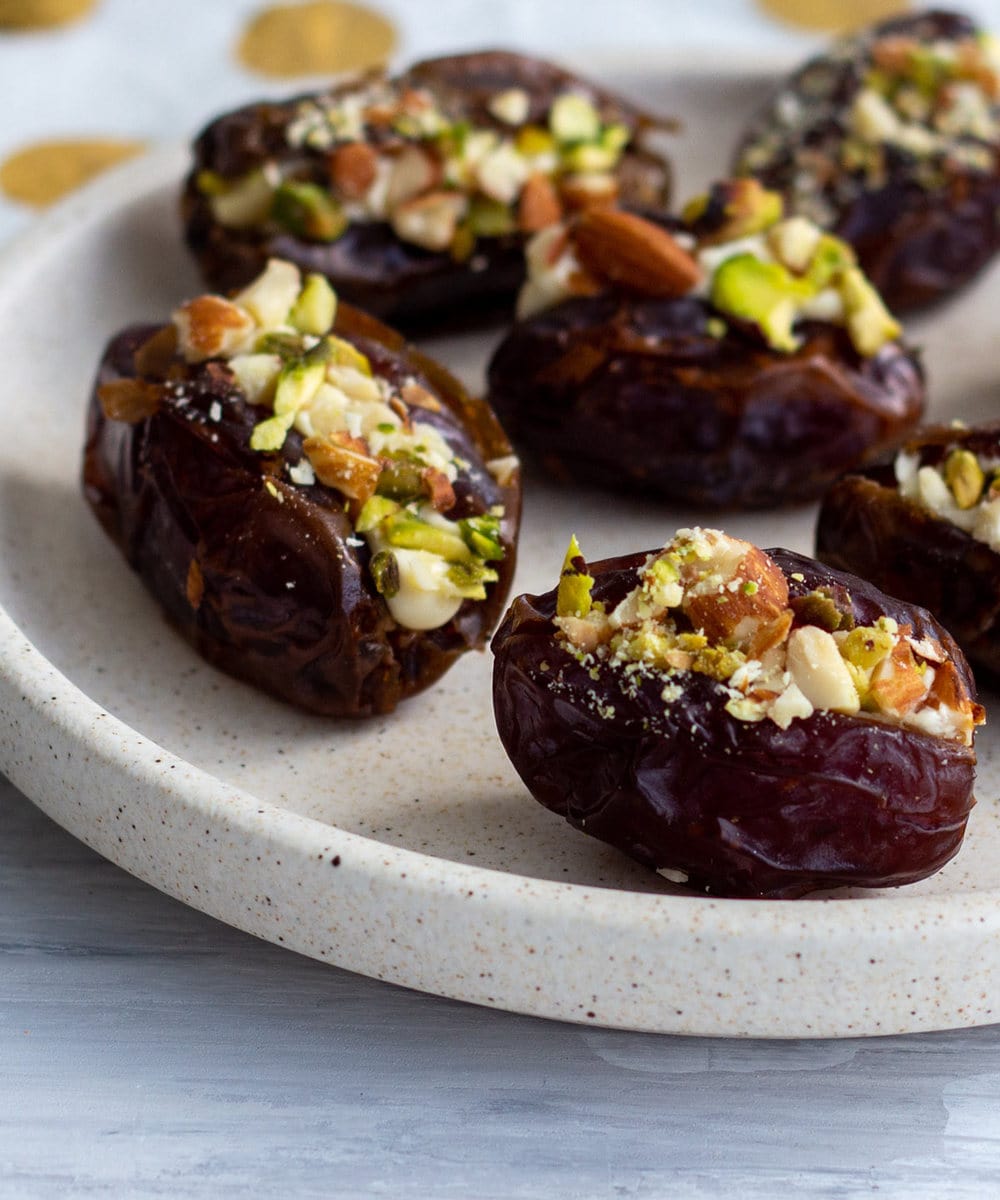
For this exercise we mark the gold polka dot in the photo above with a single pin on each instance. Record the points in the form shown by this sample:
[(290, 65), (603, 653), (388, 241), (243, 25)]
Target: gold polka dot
[(44, 172), (321, 37), (36, 14)]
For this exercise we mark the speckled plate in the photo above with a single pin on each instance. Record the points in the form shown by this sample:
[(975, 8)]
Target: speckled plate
[(406, 848)]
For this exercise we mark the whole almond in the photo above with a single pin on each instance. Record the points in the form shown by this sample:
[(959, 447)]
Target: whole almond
[(634, 253)]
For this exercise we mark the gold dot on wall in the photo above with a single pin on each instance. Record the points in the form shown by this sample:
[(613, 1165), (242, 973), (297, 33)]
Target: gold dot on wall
[(45, 171), (37, 14), (321, 37)]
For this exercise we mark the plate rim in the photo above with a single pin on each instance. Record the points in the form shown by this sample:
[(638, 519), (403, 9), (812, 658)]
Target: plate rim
[(28, 680)]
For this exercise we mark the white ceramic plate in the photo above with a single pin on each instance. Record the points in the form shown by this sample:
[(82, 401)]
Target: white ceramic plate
[(406, 848)]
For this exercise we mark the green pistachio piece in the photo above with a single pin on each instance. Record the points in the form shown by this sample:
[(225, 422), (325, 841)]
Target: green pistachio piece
[(573, 118), (490, 218), (376, 509), (470, 578), (308, 211), (866, 646), (573, 597), (384, 568), (401, 480), (818, 607), (346, 354), (287, 346), (407, 531), (240, 203), (482, 536), (869, 322), (269, 435), (297, 384), (965, 477), (316, 308), (830, 257), (765, 293), (532, 141)]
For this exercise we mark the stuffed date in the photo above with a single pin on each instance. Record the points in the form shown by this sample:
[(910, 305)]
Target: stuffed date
[(749, 722), (739, 359), (414, 194), (927, 528), (892, 139), (322, 511)]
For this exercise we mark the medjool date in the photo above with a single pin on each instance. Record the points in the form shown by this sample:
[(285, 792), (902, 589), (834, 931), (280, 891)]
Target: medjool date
[(892, 140), (740, 359), (927, 529), (752, 723), (320, 510), (413, 195)]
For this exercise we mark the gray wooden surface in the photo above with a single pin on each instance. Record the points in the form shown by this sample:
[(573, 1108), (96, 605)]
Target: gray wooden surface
[(148, 1051)]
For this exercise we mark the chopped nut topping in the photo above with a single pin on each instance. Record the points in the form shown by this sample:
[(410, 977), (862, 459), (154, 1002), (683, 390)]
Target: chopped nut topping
[(717, 606), (129, 400)]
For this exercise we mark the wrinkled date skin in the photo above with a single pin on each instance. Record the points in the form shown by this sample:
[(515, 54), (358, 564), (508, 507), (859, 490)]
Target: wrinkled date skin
[(637, 395), (286, 600), (745, 809), (369, 265), (917, 244), (867, 527)]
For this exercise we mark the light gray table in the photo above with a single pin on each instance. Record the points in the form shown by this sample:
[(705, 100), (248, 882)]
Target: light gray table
[(149, 1051)]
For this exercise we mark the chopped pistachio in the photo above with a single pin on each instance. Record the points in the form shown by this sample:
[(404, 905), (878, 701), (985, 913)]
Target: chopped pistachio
[(384, 569), (533, 141), (401, 480), (482, 535), (489, 218), (309, 211), (470, 579), (573, 118), (965, 477), (866, 645), (407, 531), (269, 435), (869, 322), (297, 384), (573, 597), (241, 203), (762, 292), (375, 510), (818, 607), (831, 257), (316, 308)]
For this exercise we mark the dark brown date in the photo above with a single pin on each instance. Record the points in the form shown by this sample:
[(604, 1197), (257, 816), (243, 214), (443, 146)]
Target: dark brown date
[(867, 527), (265, 578), (368, 264), (743, 809), (639, 395), (923, 225)]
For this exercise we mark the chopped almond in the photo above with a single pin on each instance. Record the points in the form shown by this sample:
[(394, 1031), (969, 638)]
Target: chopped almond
[(539, 205), (413, 173), (430, 220), (439, 489), (342, 462), (129, 400), (417, 396), (210, 327), (353, 169), (156, 354), (897, 686)]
